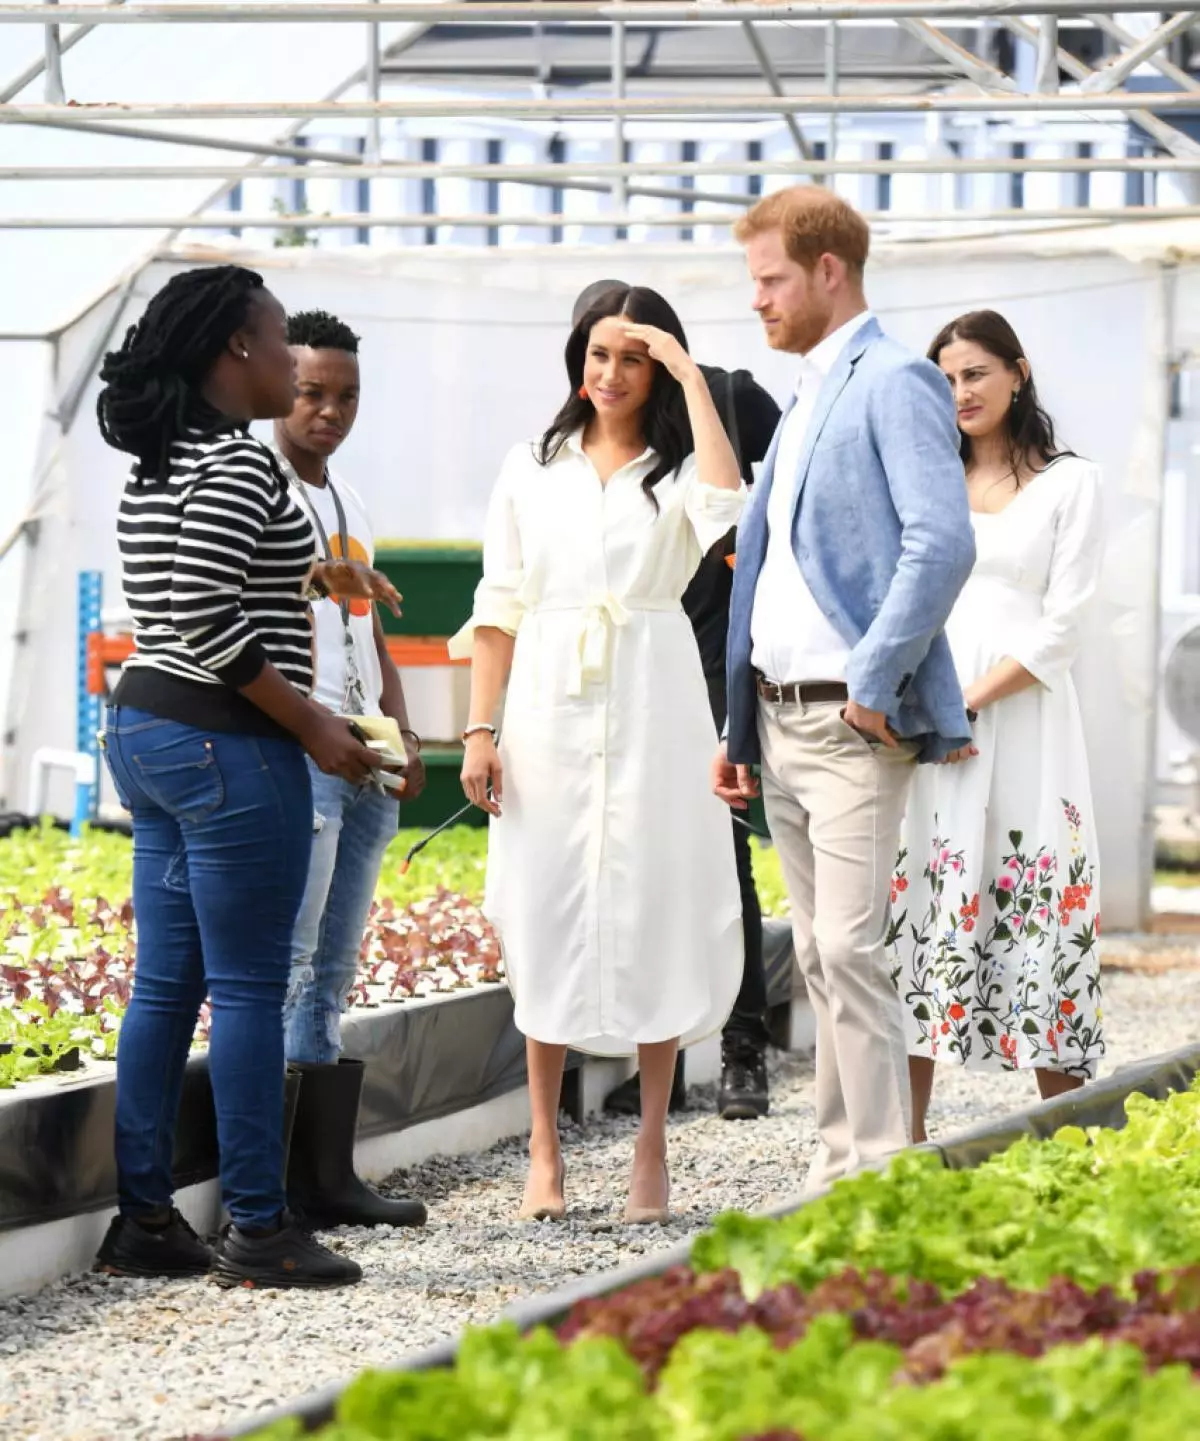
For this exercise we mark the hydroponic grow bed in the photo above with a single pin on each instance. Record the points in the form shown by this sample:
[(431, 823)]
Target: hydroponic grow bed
[(1007, 1285)]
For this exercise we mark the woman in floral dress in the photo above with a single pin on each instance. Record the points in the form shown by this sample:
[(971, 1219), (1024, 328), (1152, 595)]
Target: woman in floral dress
[(995, 919)]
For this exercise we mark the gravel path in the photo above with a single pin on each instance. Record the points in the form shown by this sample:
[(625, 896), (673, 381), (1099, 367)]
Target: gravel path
[(96, 1359)]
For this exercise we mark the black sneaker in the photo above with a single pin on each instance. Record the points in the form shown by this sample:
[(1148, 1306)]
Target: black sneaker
[(287, 1257), (743, 1095), (169, 1250)]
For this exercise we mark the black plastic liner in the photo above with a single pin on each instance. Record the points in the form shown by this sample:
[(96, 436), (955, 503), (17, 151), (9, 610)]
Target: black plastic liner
[(423, 1062), (778, 961), (56, 1146), (1098, 1104), (1102, 1103)]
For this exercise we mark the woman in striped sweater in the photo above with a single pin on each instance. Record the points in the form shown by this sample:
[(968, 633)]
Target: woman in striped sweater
[(205, 740)]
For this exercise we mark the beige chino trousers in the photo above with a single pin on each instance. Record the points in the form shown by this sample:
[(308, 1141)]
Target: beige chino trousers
[(834, 803)]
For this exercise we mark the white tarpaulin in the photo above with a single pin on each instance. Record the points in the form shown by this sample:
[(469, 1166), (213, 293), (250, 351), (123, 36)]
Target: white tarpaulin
[(461, 356)]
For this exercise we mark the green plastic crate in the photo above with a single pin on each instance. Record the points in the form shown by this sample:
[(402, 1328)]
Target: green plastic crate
[(437, 580)]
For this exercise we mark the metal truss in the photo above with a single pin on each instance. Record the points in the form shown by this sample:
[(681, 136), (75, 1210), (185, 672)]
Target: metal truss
[(705, 12), (961, 78), (542, 220)]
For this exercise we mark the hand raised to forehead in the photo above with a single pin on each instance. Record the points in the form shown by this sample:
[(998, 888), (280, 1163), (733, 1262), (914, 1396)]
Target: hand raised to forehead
[(663, 348)]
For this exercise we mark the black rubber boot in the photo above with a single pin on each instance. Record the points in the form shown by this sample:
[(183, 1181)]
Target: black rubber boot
[(287, 1257), (323, 1189), (744, 1094), (170, 1249), (626, 1099)]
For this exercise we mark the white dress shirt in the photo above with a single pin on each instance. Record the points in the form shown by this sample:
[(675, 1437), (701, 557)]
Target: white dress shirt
[(791, 639)]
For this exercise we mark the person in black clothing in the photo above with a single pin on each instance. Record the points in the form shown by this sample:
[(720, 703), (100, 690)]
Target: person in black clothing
[(751, 416)]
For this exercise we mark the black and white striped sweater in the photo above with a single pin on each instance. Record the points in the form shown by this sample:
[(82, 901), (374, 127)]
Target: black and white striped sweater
[(214, 563)]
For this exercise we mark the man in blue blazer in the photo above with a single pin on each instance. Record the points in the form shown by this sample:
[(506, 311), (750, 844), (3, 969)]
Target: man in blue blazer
[(850, 554)]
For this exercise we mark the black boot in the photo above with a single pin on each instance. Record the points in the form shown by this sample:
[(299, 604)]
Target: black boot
[(285, 1257), (743, 1095), (322, 1186), (164, 1246), (626, 1099)]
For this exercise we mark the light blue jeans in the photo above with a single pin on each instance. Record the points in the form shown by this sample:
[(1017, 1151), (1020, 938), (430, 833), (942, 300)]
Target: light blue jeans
[(352, 828)]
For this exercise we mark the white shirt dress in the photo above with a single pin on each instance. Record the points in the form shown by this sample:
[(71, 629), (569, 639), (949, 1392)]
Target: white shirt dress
[(611, 878)]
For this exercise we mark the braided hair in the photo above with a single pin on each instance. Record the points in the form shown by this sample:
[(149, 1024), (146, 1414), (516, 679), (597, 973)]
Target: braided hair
[(151, 393)]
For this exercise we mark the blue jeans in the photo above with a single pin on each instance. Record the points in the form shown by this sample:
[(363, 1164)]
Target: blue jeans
[(353, 826), (222, 829)]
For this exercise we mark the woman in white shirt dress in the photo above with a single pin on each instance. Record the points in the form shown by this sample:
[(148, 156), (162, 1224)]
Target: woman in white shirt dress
[(611, 878), (995, 899)]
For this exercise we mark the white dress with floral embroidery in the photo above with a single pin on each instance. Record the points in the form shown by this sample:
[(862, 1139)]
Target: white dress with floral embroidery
[(995, 918), (611, 877)]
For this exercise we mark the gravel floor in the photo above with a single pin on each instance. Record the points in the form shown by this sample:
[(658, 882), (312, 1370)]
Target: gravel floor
[(95, 1359)]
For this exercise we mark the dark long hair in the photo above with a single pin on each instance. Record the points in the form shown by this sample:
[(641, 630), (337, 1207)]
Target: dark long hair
[(665, 423), (1030, 431), (152, 382)]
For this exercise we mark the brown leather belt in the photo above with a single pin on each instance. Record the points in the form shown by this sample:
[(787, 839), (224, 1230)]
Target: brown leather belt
[(821, 692)]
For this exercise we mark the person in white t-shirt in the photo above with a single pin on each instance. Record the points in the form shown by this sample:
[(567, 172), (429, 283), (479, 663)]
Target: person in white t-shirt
[(352, 824)]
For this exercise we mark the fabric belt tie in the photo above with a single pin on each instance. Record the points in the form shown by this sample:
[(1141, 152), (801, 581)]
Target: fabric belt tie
[(593, 643)]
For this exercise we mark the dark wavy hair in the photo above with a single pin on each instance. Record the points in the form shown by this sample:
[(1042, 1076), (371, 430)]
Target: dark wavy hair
[(665, 424), (1030, 429)]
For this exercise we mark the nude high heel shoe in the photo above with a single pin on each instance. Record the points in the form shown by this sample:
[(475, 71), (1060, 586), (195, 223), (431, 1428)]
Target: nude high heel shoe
[(554, 1212), (650, 1215)]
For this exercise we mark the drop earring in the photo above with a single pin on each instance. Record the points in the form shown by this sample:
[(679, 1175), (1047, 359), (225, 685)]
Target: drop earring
[(583, 392)]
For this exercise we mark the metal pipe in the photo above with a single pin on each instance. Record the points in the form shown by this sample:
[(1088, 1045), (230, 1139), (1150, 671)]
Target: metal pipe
[(1170, 137), (373, 128), (1108, 77), (620, 197), (411, 36), (199, 142), (831, 85), (559, 175), (1160, 62), (55, 94), (705, 107), (1077, 215), (1046, 80), (31, 72), (642, 12), (964, 61), (775, 86)]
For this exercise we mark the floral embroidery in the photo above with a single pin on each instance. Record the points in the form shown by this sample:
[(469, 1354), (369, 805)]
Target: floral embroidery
[(1011, 976)]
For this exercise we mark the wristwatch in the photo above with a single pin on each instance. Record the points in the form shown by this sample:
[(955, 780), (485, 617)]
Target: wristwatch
[(972, 715), (476, 728)]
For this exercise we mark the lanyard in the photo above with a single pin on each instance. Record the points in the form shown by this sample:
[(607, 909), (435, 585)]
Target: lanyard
[(354, 700), (343, 532)]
